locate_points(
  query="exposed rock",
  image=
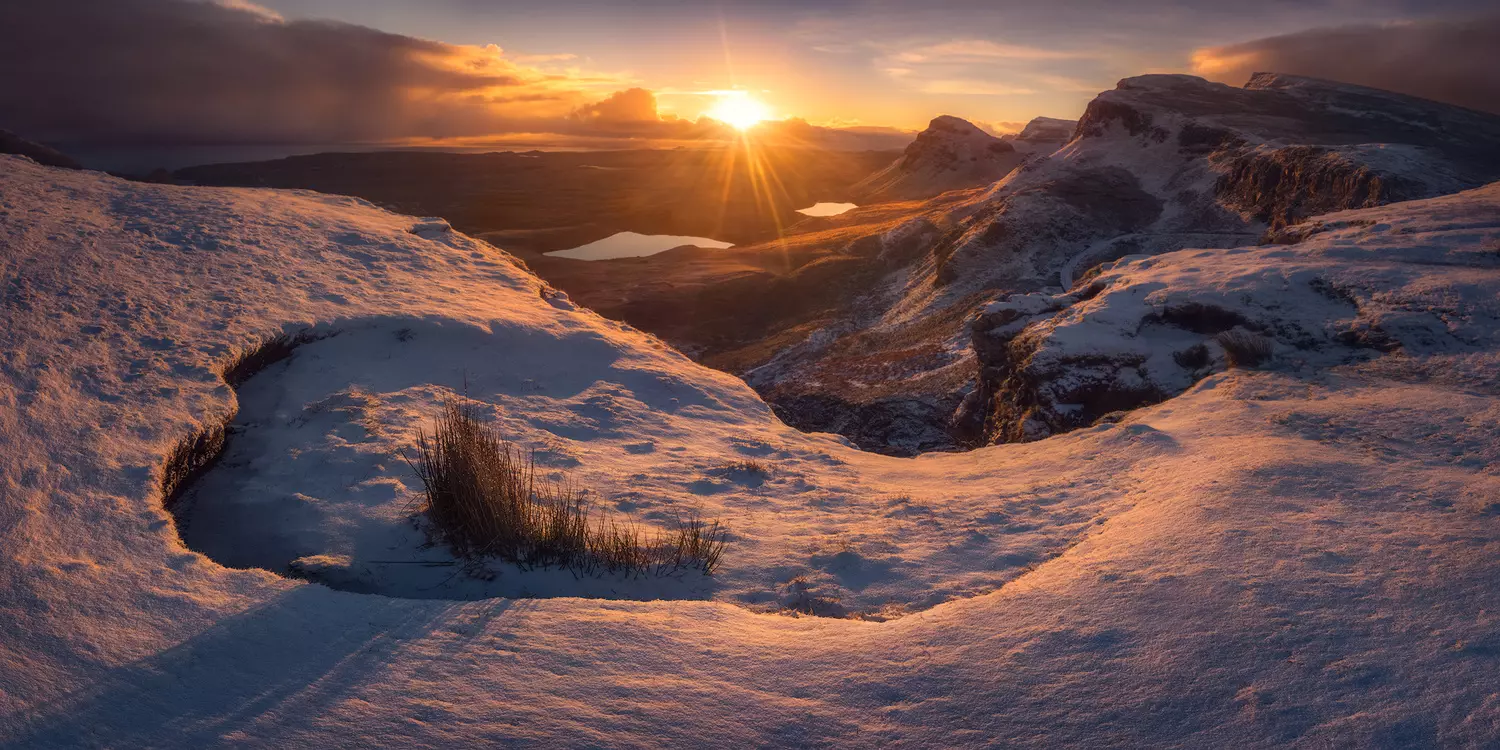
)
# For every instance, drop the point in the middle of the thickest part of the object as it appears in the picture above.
(1281, 186)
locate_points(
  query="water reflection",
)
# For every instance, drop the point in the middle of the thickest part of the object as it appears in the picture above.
(633, 245)
(826, 209)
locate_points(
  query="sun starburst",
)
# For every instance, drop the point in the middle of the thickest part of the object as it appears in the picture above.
(739, 109)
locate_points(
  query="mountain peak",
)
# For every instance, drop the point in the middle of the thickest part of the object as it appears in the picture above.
(949, 141)
(956, 125)
(951, 154)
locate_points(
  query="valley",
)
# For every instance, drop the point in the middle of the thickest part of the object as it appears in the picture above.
(544, 201)
(878, 323)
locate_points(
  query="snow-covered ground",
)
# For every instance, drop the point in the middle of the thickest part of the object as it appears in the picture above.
(1302, 555)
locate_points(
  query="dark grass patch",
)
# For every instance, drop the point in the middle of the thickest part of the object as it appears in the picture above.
(1191, 358)
(196, 453)
(190, 458)
(485, 500)
(245, 363)
(1200, 318)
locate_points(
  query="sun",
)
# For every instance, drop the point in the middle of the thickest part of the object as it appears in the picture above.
(738, 109)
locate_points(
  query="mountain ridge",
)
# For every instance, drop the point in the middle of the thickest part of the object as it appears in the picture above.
(1159, 163)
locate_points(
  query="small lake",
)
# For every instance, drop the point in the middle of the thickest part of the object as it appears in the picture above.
(633, 245)
(827, 209)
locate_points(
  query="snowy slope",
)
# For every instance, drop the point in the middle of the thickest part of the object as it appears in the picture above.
(1273, 557)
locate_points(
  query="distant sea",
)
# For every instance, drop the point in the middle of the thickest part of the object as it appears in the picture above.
(143, 159)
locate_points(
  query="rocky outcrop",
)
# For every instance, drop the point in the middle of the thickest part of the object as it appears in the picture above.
(1147, 328)
(1281, 186)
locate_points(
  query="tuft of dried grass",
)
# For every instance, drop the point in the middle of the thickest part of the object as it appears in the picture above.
(1245, 349)
(485, 499)
(747, 466)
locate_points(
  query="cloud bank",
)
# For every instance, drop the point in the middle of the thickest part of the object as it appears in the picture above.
(1448, 61)
(185, 72)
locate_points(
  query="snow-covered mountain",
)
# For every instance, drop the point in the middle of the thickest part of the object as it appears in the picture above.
(1295, 555)
(954, 154)
(1160, 163)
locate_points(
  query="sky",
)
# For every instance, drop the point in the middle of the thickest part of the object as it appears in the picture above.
(372, 71)
(875, 63)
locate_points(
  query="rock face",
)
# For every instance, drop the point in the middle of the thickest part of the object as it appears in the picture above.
(1161, 163)
(10, 143)
(951, 154)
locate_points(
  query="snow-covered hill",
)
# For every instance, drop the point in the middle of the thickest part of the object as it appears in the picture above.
(1160, 163)
(1300, 555)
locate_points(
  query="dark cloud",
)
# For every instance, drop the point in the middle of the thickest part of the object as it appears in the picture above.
(179, 71)
(1449, 61)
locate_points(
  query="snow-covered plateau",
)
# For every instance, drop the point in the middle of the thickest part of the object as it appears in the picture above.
(1306, 553)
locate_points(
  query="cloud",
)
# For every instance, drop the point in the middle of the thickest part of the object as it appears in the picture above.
(964, 87)
(634, 105)
(174, 71)
(1449, 61)
(978, 50)
(1001, 127)
(977, 67)
(245, 5)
